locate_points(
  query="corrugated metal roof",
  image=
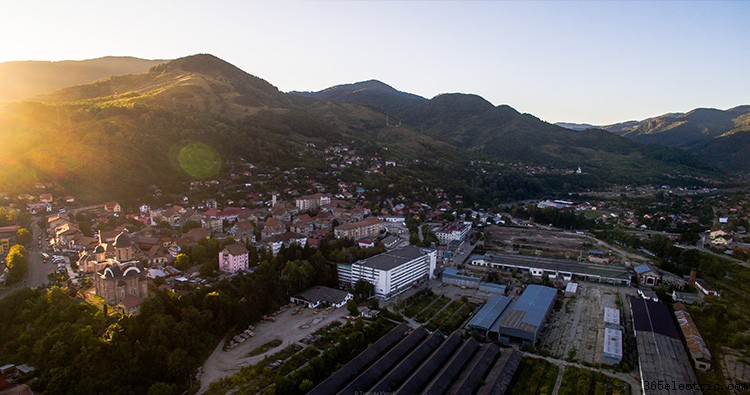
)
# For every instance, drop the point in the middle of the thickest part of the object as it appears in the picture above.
(613, 342)
(611, 316)
(490, 312)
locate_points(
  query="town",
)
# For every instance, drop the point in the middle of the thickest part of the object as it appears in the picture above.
(546, 296)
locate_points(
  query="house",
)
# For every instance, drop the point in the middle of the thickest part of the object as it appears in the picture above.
(707, 290)
(647, 275)
(271, 227)
(45, 198)
(112, 207)
(234, 258)
(303, 224)
(321, 296)
(243, 230)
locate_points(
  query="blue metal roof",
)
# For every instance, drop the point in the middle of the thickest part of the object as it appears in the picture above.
(535, 301)
(490, 312)
(453, 272)
(642, 268)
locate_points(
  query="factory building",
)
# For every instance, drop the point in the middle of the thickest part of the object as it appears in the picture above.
(391, 272)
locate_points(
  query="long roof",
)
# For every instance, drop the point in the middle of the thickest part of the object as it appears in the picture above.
(489, 313)
(391, 259)
(558, 265)
(530, 309)
(320, 293)
(650, 316)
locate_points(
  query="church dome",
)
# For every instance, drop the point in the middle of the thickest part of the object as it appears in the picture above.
(123, 241)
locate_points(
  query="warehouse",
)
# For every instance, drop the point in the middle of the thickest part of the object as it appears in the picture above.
(321, 296)
(564, 269)
(661, 356)
(451, 276)
(489, 313)
(524, 320)
(696, 345)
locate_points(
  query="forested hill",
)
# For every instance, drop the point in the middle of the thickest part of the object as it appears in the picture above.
(118, 136)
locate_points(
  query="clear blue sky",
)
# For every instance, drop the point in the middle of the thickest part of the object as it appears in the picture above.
(595, 61)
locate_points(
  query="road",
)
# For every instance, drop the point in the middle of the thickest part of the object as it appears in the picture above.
(635, 384)
(38, 269)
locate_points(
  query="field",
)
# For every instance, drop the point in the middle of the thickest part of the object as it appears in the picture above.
(533, 377)
(583, 381)
(576, 331)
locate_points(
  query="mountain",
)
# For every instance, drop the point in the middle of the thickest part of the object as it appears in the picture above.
(23, 79)
(372, 93)
(500, 132)
(197, 117)
(576, 126)
(118, 136)
(718, 137)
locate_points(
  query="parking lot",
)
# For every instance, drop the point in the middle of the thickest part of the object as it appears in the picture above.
(576, 331)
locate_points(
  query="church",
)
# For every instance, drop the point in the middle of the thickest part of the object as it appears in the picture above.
(121, 281)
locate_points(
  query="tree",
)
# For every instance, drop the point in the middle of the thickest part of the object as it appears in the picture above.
(207, 269)
(18, 263)
(352, 307)
(23, 236)
(363, 290)
(182, 261)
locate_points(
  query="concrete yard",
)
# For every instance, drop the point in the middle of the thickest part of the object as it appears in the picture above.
(576, 331)
(288, 327)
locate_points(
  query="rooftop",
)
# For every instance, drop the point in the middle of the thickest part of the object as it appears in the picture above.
(611, 316)
(613, 341)
(530, 309)
(558, 265)
(322, 294)
(489, 313)
(391, 259)
(650, 316)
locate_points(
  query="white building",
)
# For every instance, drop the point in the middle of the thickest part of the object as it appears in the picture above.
(612, 346)
(234, 258)
(453, 231)
(611, 316)
(309, 202)
(392, 272)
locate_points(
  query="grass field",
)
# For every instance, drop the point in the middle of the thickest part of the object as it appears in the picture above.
(534, 377)
(430, 311)
(583, 381)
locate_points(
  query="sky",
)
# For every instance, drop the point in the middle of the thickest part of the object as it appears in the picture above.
(595, 62)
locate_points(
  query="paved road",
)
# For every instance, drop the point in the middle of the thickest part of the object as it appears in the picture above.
(38, 269)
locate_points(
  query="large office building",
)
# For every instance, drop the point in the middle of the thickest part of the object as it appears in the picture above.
(391, 272)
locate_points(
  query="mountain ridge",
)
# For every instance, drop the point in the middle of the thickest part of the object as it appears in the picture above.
(131, 129)
(23, 79)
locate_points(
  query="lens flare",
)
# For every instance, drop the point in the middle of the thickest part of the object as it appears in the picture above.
(199, 160)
